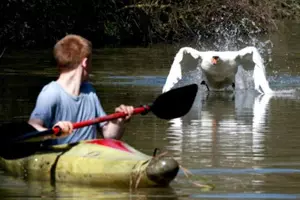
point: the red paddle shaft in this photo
(56, 130)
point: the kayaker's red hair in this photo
(70, 51)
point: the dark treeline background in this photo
(40, 23)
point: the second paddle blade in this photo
(175, 103)
(11, 131)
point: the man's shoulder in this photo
(49, 86)
(50, 90)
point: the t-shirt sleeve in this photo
(99, 110)
(45, 107)
(88, 87)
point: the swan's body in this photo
(218, 67)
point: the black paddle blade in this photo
(175, 103)
(19, 150)
(11, 150)
(12, 130)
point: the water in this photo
(245, 144)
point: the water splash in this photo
(234, 36)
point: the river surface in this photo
(245, 144)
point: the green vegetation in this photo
(39, 23)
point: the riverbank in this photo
(38, 24)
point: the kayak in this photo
(100, 162)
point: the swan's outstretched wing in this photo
(186, 59)
(259, 74)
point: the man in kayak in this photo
(72, 98)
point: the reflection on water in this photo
(228, 138)
(222, 116)
(13, 188)
(226, 123)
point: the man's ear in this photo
(84, 62)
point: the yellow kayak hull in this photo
(101, 162)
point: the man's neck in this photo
(71, 82)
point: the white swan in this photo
(218, 67)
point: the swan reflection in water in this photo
(221, 127)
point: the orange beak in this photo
(214, 60)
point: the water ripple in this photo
(247, 196)
(244, 171)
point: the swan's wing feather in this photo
(251, 55)
(185, 60)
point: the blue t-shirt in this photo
(54, 104)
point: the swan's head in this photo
(215, 60)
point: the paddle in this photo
(172, 104)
